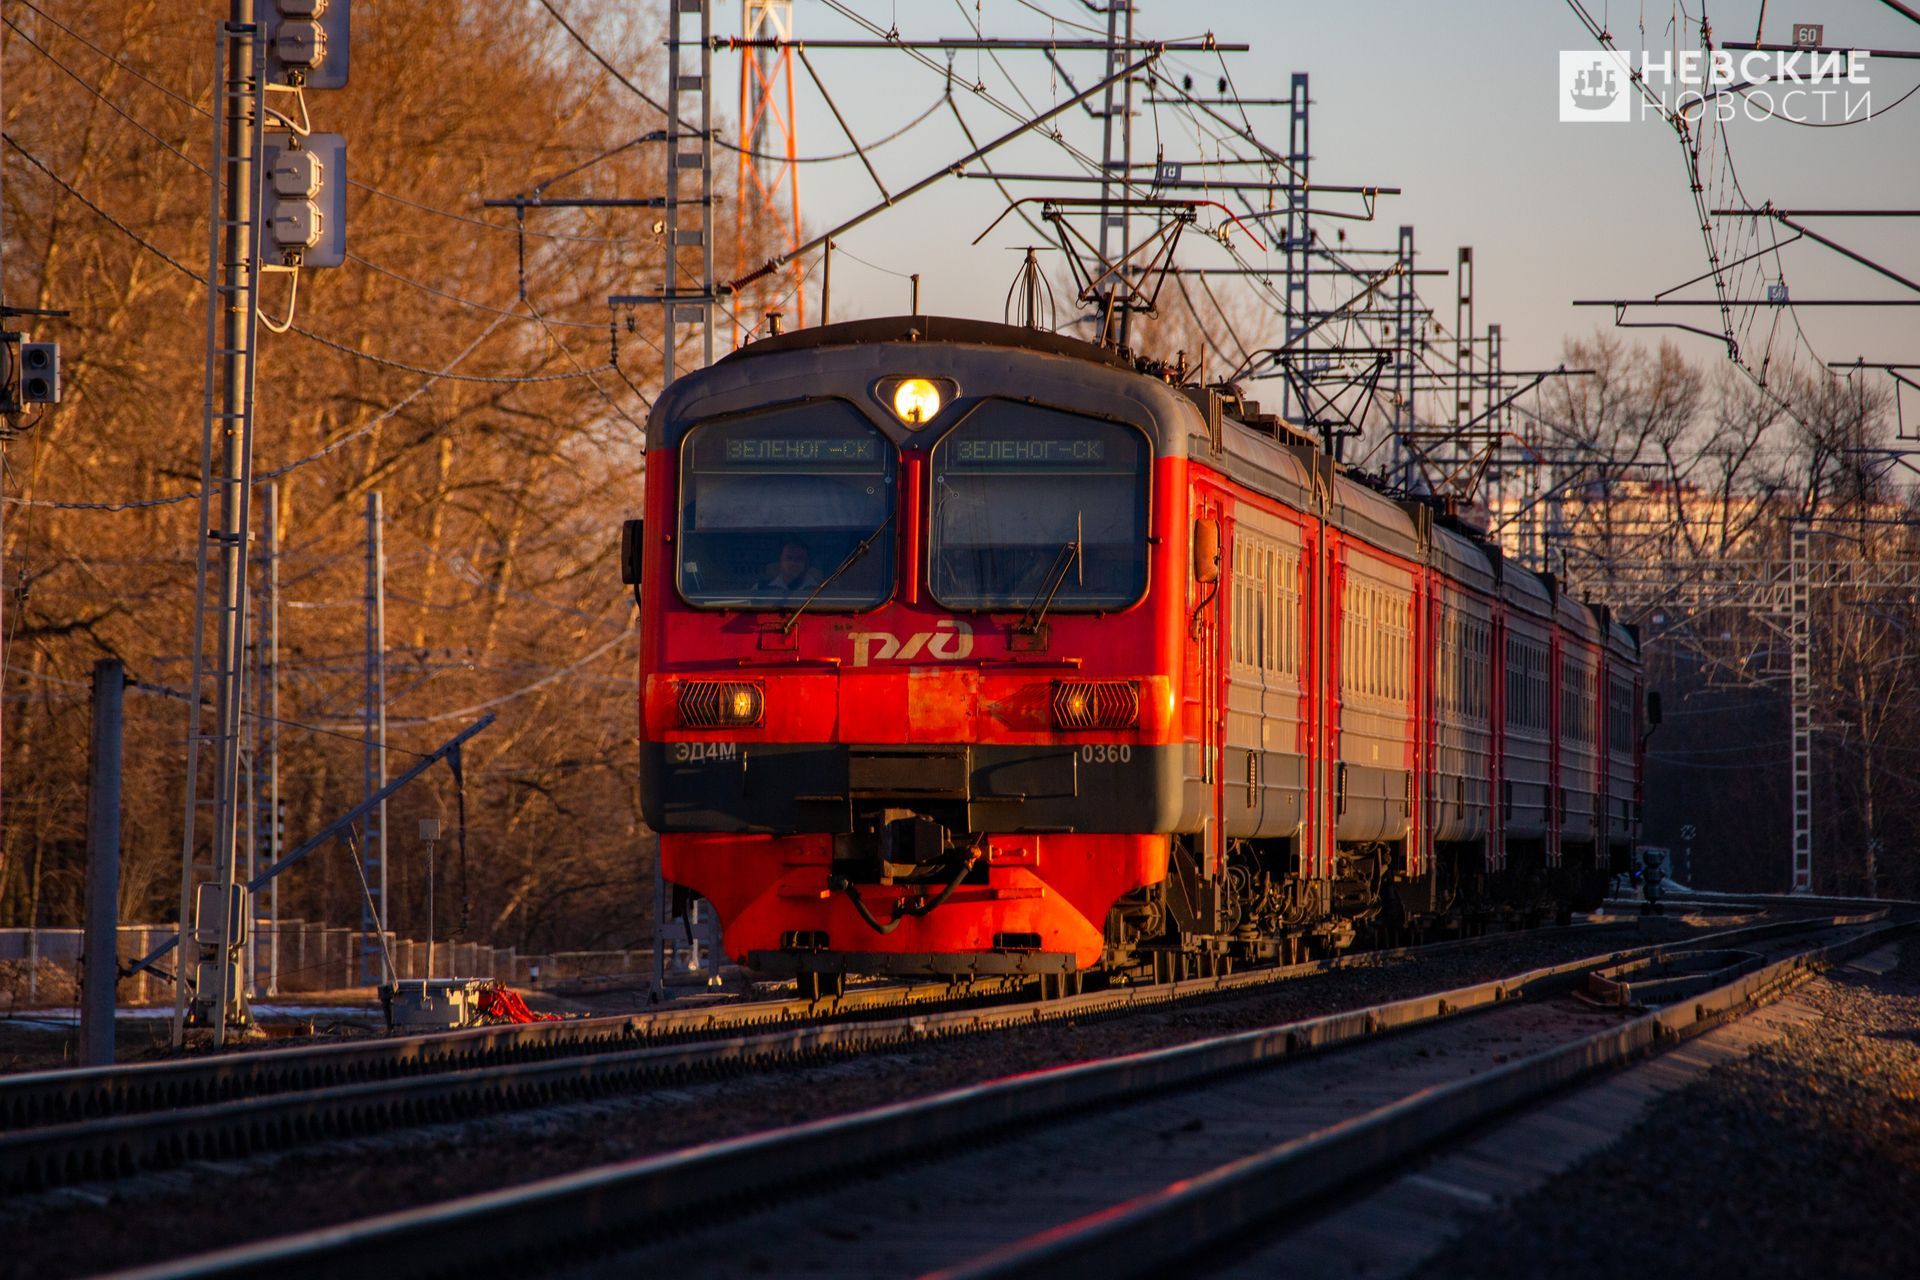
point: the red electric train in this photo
(969, 649)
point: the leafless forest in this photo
(494, 405)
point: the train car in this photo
(968, 649)
(1625, 687)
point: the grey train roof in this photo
(988, 360)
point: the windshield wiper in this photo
(853, 557)
(1068, 557)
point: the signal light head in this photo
(721, 704)
(916, 401)
(1096, 704)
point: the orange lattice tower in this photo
(769, 186)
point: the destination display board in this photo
(803, 450)
(1029, 453)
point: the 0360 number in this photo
(1103, 754)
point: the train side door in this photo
(1211, 625)
(1499, 677)
(1313, 721)
(1556, 726)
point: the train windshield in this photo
(772, 504)
(1029, 500)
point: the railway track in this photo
(1115, 1164)
(66, 1127)
(53, 1097)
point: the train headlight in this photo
(916, 401)
(721, 704)
(1096, 704)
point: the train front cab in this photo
(965, 749)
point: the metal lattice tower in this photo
(1800, 677)
(1494, 485)
(1406, 318)
(767, 120)
(1116, 164)
(1298, 241)
(1780, 590)
(689, 185)
(689, 174)
(213, 910)
(1463, 385)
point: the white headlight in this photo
(916, 401)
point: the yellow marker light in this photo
(916, 401)
(721, 704)
(1096, 704)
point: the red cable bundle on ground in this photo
(503, 1004)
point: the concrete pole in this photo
(375, 756)
(102, 957)
(270, 621)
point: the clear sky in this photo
(1455, 103)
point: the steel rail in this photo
(612, 1205)
(311, 1103)
(49, 1097)
(1153, 1233)
(33, 1099)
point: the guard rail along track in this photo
(549, 1222)
(161, 1115)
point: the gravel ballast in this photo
(1799, 1160)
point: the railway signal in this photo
(306, 198)
(306, 43)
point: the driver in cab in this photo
(793, 573)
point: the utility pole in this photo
(306, 207)
(1495, 483)
(689, 182)
(6, 429)
(1463, 339)
(268, 832)
(766, 108)
(374, 911)
(102, 958)
(689, 172)
(213, 913)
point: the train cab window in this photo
(1023, 496)
(771, 504)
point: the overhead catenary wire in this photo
(358, 183)
(719, 141)
(362, 260)
(275, 473)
